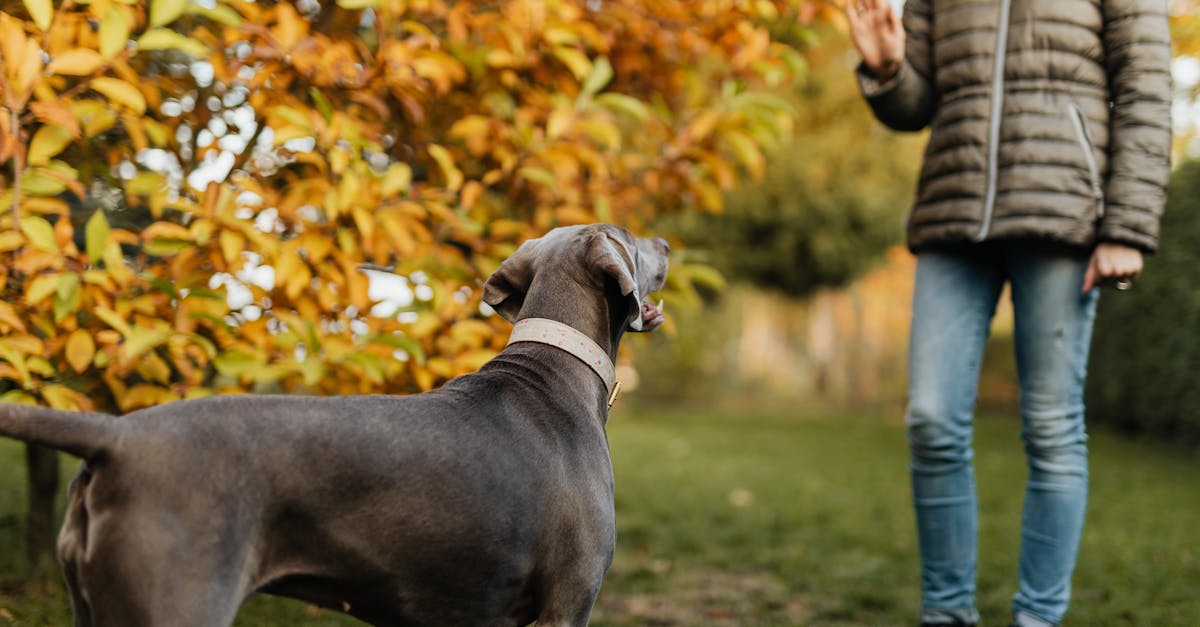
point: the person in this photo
(1046, 168)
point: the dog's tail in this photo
(82, 434)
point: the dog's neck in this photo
(580, 307)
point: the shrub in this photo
(1146, 352)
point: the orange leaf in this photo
(80, 350)
(76, 62)
(56, 112)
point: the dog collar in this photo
(567, 338)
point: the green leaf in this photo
(114, 32)
(67, 296)
(35, 182)
(166, 11)
(322, 103)
(97, 236)
(41, 11)
(39, 232)
(167, 39)
(146, 183)
(601, 75)
(166, 246)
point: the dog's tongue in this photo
(652, 315)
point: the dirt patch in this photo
(711, 598)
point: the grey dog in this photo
(486, 502)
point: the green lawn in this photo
(774, 519)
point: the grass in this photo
(773, 519)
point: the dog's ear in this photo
(608, 254)
(505, 290)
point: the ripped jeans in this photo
(956, 292)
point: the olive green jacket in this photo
(1048, 119)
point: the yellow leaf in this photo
(93, 115)
(454, 176)
(48, 141)
(10, 319)
(145, 395)
(18, 396)
(114, 32)
(97, 236)
(575, 61)
(397, 179)
(139, 340)
(41, 287)
(154, 368)
(76, 62)
(112, 319)
(166, 11)
(12, 42)
(747, 152)
(167, 39)
(61, 397)
(221, 14)
(120, 92)
(80, 350)
(41, 11)
(231, 246)
(10, 240)
(39, 232)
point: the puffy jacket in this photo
(1049, 119)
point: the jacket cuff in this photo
(872, 88)
(1114, 231)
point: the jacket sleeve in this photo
(908, 101)
(1138, 51)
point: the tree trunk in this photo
(42, 464)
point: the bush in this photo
(1146, 352)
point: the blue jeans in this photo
(955, 297)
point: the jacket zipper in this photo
(989, 201)
(1089, 155)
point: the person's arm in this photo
(897, 72)
(1138, 54)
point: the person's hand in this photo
(1113, 264)
(878, 34)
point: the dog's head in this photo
(596, 254)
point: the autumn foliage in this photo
(195, 194)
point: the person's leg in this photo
(953, 303)
(1052, 334)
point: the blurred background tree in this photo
(215, 197)
(833, 198)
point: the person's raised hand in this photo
(878, 35)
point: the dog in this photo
(486, 502)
